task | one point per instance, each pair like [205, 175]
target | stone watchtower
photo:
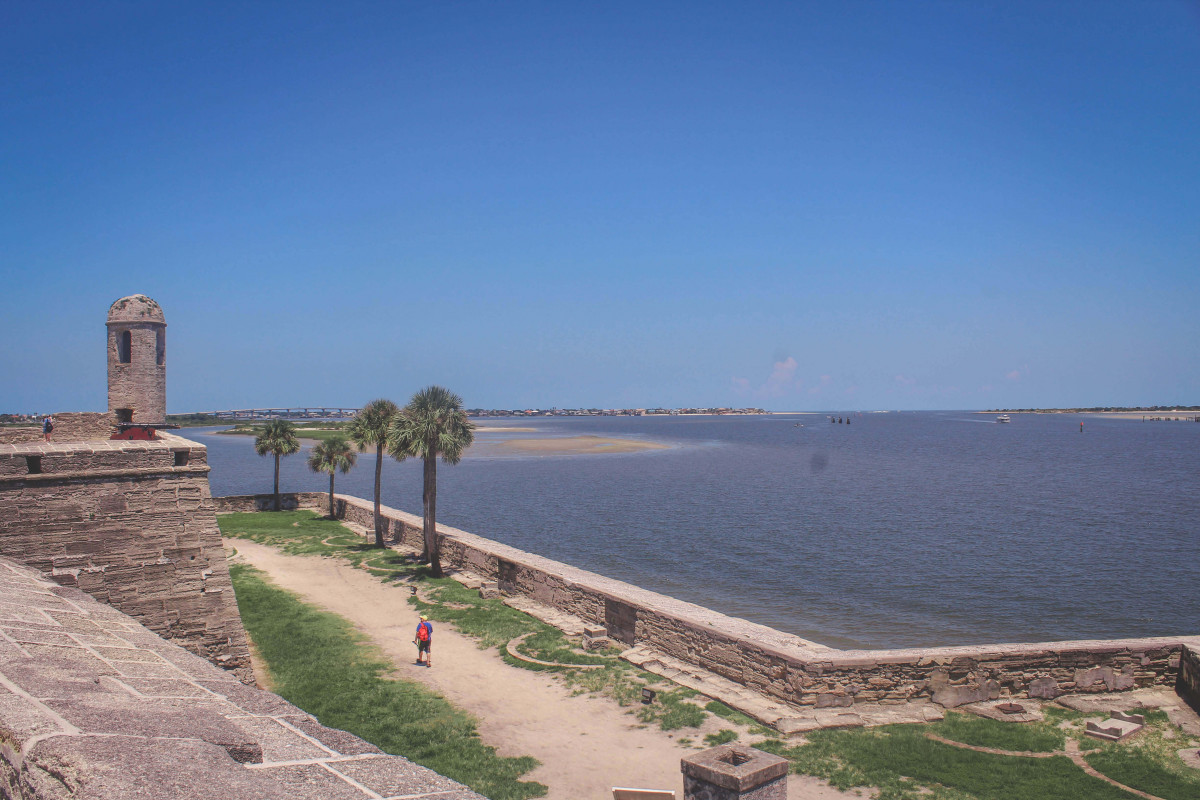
[137, 360]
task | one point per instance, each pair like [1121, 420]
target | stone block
[1045, 688]
[734, 772]
[834, 700]
[953, 696]
[489, 590]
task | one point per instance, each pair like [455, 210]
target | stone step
[567, 623]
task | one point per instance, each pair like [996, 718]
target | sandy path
[586, 744]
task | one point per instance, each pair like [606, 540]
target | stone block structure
[94, 706]
[129, 522]
[801, 674]
[734, 772]
[133, 524]
[137, 360]
[1189, 676]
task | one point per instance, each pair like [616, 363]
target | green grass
[905, 765]
[672, 710]
[306, 533]
[1149, 761]
[490, 622]
[899, 760]
[717, 708]
[306, 430]
[319, 663]
[1170, 781]
[723, 736]
[969, 729]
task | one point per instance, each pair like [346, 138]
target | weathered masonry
[137, 360]
[800, 673]
[95, 707]
[131, 522]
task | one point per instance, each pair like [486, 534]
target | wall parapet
[131, 523]
[788, 668]
[75, 426]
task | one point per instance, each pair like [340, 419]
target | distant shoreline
[1119, 413]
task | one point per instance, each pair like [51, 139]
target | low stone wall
[794, 670]
[68, 427]
[288, 501]
[133, 524]
[1189, 676]
[93, 706]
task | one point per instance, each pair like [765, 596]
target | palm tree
[369, 428]
[432, 424]
[278, 439]
[332, 455]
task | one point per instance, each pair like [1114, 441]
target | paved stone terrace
[93, 706]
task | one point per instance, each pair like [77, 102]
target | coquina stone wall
[68, 427]
[133, 524]
[794, 670]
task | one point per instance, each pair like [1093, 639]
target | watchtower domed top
[135, 308]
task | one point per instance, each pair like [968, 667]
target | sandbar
[577, 445]
[502, 429]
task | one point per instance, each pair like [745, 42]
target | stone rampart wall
[72, 427]
[792, 669]
[133, 524]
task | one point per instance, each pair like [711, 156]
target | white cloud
[782, 381]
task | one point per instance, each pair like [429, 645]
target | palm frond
[278, 438]
[369, 428]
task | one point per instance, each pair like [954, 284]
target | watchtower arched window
[160, 347]
[124, 346]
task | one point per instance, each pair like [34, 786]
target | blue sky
[798, 206]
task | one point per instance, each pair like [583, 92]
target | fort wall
[94, 705]
[793, 670]
[68, 427]
[132, 523]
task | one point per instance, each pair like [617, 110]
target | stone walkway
[93, 706]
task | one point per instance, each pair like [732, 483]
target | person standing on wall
[48, 426]
[424, 641]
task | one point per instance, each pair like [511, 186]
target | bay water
[901, 529]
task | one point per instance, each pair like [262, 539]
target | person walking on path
[48, 427]
[424, 641]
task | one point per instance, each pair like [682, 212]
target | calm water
[901, 529]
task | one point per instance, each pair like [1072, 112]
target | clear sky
[800, 206]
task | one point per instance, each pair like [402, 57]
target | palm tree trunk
[429, 500]
[331, 495]
[378, 472]
[277, 481]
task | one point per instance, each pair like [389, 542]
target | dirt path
[586, 744]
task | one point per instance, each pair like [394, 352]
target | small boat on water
[1003, 418]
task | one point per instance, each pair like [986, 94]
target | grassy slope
[898, 759]
[490, 622]
[318, 662]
